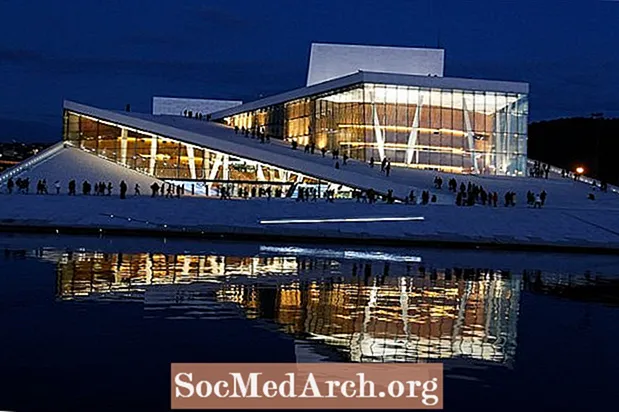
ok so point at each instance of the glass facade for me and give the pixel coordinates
(179, 162)
(452, 130)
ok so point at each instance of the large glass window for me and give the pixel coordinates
(201, 169)
(461, 131)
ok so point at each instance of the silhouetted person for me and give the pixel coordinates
(123, 190)
(323, 151)
(372, 161)
(537, 202)
(136, 190)
(72, 188)
(155, 188)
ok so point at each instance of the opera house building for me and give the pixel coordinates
(372, 104)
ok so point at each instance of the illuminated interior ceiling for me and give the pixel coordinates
(486, 103)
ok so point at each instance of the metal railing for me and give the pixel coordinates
(581, 178)
(30, 162)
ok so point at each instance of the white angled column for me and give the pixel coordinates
(498, 151)
(192, 161)
(153, 155)
(226, 167)
(412, 138)
(378, 133)
(124, 134)
(469, 134)
(260, 173)
(216, 165)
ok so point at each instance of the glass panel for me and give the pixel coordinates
(109, 140)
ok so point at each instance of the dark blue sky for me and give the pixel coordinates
(111, 52)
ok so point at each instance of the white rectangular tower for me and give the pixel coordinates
(330, 61)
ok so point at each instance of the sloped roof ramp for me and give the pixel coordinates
(223, 139)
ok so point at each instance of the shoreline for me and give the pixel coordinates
(552, 229)
(306, 238)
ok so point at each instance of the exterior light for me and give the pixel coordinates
(580, 170)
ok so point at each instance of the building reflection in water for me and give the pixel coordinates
(369, 310)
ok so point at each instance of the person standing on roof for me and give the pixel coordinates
(538, 202)
(123, 190)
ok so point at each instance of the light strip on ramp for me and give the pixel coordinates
(343, 220)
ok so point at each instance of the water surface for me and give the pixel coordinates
(93, 324)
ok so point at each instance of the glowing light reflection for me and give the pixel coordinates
(343, 220)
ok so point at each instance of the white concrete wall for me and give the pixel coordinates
(175, 106)
(330, 61)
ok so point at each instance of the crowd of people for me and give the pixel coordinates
(536, 200)
(310, 148)
(167, 190)
(196, 115)
(370, 196)
(254, 133)
(22, 186)
(468, 194)
(305, 194)
(471, 194)
(539, 170)
(227, 192)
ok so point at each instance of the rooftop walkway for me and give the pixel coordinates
(67, 163)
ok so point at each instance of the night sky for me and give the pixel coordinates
(109, 52)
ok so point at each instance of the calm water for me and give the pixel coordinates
(93, 324)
